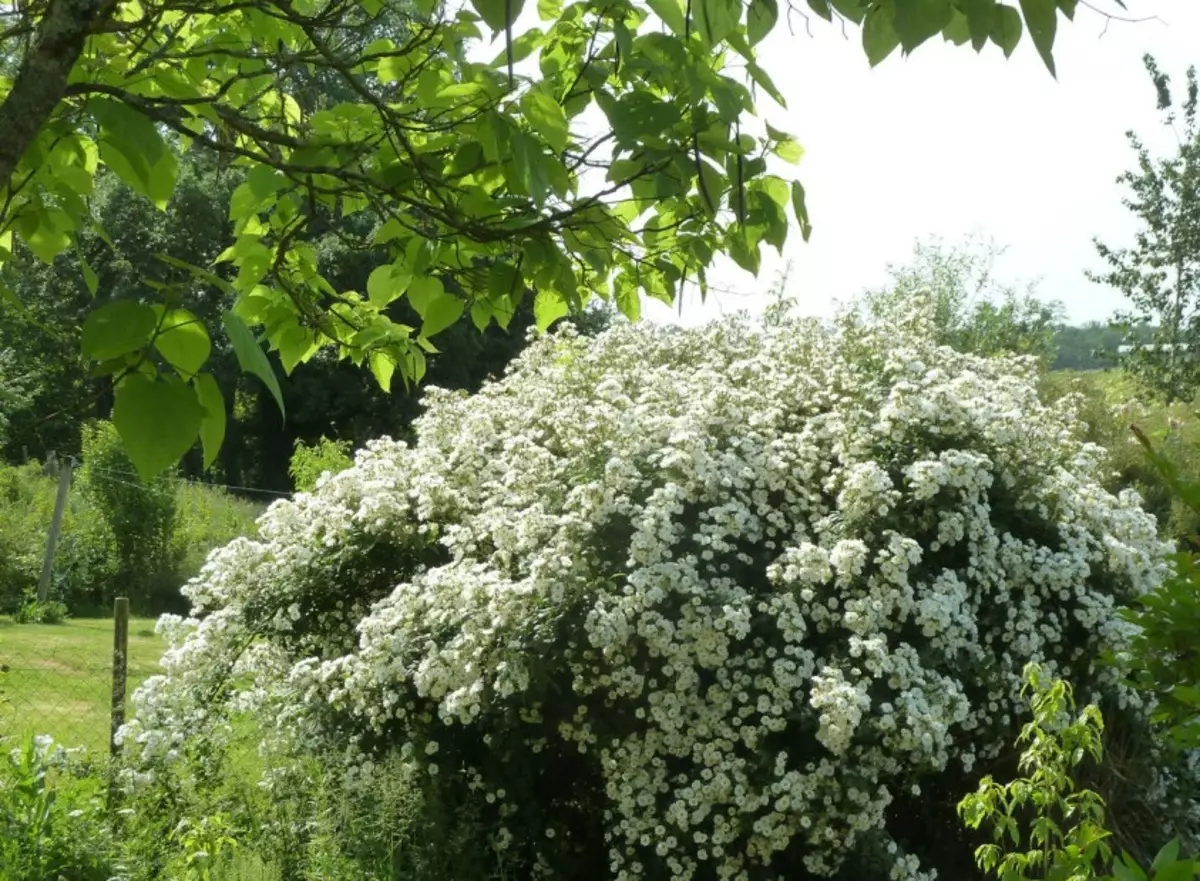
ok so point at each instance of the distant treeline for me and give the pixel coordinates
(1092, 346)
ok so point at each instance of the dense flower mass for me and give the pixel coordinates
(706, 604)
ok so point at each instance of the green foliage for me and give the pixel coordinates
(33, 612)
(140, 515)
(468, 175)
(52, 818)
(973, 312)
(1063, 825)
(1166, 664)
(1109, 402)
(1091, 346)
(1160, 272)
(1066, 837)
(84, 552)
(310, 462)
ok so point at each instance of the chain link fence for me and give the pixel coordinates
(59, 678)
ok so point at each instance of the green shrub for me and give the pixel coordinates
(1109, 402)
(52, 818)
(651, 585)
(310, 462)
(140, 517)
(206, 517)
(31, 611)
(84, 563)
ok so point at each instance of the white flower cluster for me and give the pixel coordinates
(758, 580)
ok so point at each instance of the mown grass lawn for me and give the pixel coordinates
(59, 679)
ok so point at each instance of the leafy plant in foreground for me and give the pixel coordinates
(1062, 827)
(52, 820)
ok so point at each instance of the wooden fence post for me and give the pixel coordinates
(120, 669)
(60, 505)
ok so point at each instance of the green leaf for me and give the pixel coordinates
(183, 341)
(498, 14)
(714, 20)
(212, 425)
(1006, 29)
(549, 10)
(981, 20)
(761, 19)
(158, 421)
(548, 307)
(789, 150)
(528, 162)
(1184, 870)
(851, 10)
(383, 365)
(250, 355)
(879, 38)
(671, 12)
(546, 116)
(117, 329)
(387, 284)
(821, 8)
(1168, 854)
(801, 209)
(916, 21)
(133, 149)
(47, 232)
(442, 311)
(89, 276)
(958, 31)
(423, 291)
(1041, 17)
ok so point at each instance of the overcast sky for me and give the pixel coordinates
(948, 142)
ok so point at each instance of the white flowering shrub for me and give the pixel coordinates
(738, 602)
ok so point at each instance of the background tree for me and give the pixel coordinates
(1160, 272)
(973, 311)
(458, 170)
(1090, 346)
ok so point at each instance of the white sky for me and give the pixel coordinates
(949, 142)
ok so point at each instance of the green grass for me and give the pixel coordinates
(59, 679)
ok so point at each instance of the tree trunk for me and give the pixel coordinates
(42, 77)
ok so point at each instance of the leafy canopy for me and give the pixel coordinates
(606, 151)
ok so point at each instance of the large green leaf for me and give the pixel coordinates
(442, 311)
(118, 328)
(801, 209)
(915, 21)
(981, 20)
(250, 355)
(423, 291)
(546, 116)
(1006, 28)
(548, 307)
(879, 37)
(498, 14)
(714, 20)
(158, 421)
(212, 424)
(1041, 18)
(671, 12)
(183, 341)
(760, 19)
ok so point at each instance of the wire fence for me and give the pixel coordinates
(60, 679)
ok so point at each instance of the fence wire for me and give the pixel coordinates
(59, 678)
